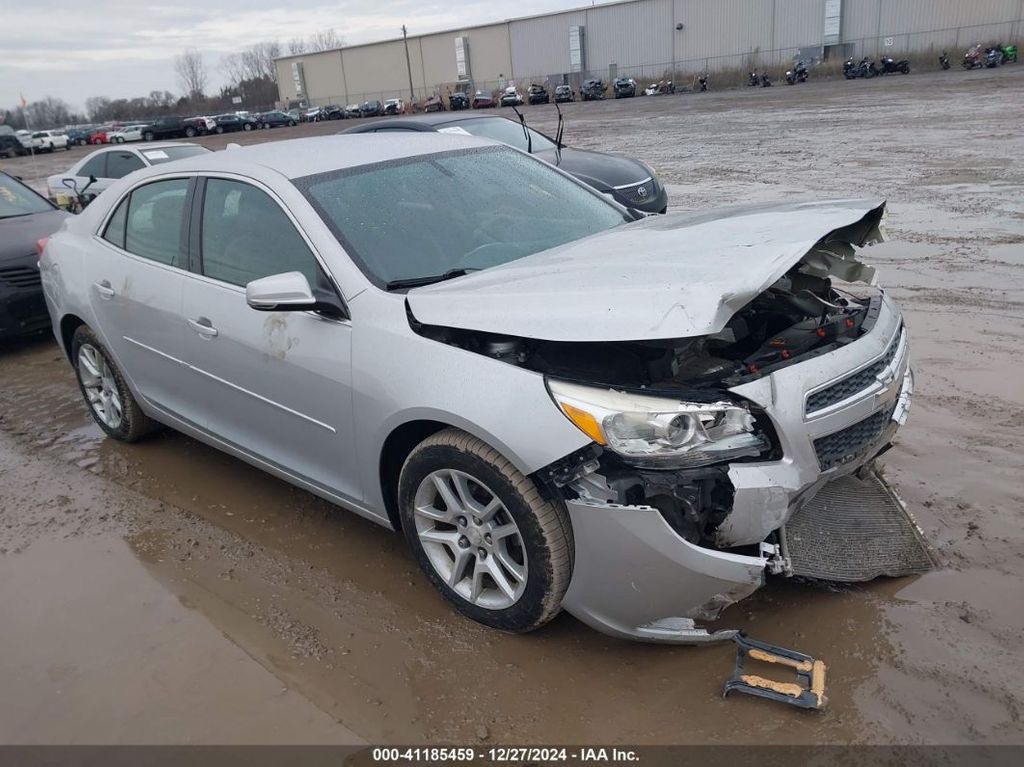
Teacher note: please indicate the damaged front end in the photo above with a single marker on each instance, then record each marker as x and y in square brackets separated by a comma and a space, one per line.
[706, 446]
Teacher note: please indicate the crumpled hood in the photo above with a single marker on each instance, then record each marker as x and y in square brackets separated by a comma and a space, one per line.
[599, 170]
[673, 276]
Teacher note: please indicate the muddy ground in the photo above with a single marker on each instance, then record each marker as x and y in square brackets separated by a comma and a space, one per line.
[164, 592]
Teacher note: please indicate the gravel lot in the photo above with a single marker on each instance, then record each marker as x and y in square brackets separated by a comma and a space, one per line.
[165, 592]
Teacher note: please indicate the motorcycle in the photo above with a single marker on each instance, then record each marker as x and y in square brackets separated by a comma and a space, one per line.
[944, 60]
[891, 66]
[765, 81]
[993, 57]
[865, 69]
[753, 80]
[798, 74]
[661, 88]
[973, 58]
[1009, 53]
[703, 81]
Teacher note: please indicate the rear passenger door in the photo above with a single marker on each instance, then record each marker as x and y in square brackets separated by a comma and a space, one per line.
[136, 272]
[275, 384]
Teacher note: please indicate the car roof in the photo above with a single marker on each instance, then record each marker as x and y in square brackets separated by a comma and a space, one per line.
[296, 158]
[428, 121]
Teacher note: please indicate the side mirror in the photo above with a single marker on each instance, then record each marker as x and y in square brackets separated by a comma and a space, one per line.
[285, 292]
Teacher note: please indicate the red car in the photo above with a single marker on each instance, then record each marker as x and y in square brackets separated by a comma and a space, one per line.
[482, 100]
[99, 135]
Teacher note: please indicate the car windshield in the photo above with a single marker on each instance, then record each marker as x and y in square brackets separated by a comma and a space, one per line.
[441, 214]
[16, 199]
[171, 153]
[500, 129]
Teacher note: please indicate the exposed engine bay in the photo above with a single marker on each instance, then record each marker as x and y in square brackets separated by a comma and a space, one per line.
[812, 309]
[801, 314]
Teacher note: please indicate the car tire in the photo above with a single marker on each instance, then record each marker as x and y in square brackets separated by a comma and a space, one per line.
[104, 390]
[190, 132]
[219, 129]
[292, 123]
[531, 551]
[246, 126]
[147, 136]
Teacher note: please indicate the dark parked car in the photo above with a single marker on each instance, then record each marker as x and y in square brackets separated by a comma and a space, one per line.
[161, 128]
[592, 90]
[625, 87]
[371, 109]
[276, 119]
[76, 136]
[10, 144]
[331, 112]
[458, 100]
[25, 219]
[563, 93]
[538, 94]
[483, 100]
[229, 122]
[629, 182]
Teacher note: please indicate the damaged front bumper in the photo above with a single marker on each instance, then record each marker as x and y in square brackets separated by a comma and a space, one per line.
[636, 577]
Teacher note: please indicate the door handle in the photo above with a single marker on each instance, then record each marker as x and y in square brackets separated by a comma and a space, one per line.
[103, 288]
[203, 327]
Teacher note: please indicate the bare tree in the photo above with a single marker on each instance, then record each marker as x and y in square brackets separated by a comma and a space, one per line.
[191, 70]
[296, 46]
[258, 60]
[324, 40]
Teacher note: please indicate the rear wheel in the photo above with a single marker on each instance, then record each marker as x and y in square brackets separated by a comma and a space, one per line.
[147, 136]
[190, 132]
[246, 126]
[108, 397]
[219, 129]
[483, 535]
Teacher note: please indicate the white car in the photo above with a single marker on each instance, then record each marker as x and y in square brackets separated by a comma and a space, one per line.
[126, 134]
[111, 163]
[511, 97]
[49, 141]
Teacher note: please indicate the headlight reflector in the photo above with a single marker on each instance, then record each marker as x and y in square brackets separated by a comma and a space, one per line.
[658, 431]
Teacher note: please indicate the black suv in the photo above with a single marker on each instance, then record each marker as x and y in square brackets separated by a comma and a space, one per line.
[10, 144]
[229, 122]
[538, 94]
[625, 87]
[164, 127]
[371, 109]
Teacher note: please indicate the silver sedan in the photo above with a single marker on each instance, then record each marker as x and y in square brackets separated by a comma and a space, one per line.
[559, 402]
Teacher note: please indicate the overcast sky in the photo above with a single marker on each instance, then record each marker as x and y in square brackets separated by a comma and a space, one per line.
[123, 48]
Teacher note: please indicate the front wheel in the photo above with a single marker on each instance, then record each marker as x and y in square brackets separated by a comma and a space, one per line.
[147, 136]
[482, 533]
[247, 126]
[108, 397]
[219, 129]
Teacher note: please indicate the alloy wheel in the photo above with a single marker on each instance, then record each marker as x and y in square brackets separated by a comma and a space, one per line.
[470, 539]
[99, 385]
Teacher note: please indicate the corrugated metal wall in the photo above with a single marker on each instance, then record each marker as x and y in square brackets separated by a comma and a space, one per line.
[640, 37]
[540, 46]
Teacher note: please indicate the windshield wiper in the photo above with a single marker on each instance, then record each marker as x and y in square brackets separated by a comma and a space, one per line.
[419, 282]
[526, 131]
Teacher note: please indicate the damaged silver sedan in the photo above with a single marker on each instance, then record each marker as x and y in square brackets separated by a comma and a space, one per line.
[560, 403]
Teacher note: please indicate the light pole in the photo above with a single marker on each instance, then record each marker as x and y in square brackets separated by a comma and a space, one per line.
[408, 64]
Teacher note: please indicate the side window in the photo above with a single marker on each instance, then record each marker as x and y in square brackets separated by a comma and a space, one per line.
[120, 164]
[246, 236]
[156, 213]
[114, 233]
[97, 167]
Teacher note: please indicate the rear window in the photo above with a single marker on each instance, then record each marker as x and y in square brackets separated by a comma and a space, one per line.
[171, 153]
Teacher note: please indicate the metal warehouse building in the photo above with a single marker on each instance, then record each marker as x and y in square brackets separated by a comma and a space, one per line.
[644, 39]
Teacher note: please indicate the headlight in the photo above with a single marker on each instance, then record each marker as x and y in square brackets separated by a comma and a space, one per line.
[657, 431]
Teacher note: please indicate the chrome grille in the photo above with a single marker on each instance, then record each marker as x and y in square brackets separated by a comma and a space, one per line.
[852, 442]
[20, 277]
[855, 382]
